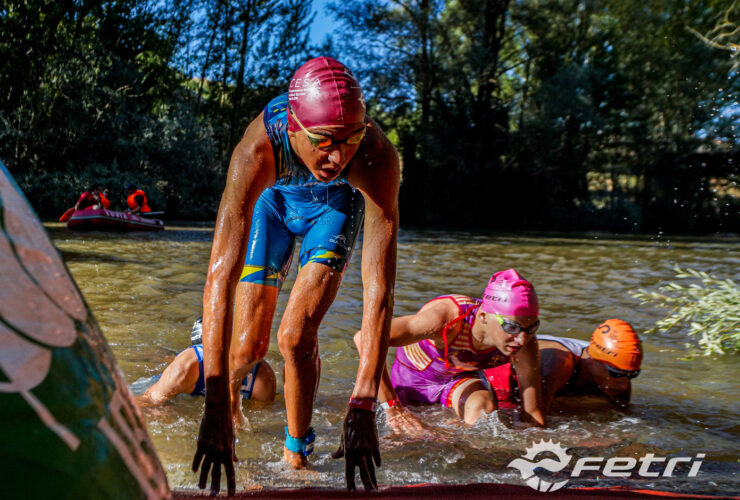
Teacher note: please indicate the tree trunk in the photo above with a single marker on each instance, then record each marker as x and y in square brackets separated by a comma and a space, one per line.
[239, 91]
[207, 61]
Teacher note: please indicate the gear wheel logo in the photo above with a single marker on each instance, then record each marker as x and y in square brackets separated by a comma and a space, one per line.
[527, 465]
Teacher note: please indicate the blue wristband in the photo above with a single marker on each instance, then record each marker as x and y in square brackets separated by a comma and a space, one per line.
[303, 445]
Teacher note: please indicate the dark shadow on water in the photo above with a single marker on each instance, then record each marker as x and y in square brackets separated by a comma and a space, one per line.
[441, 237]
[83, 256]
[175, 234]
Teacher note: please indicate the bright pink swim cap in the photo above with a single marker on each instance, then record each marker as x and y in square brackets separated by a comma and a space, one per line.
[325, 92]
[508, 293]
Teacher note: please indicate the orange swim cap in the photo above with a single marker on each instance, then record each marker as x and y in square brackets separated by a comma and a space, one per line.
[616, 343]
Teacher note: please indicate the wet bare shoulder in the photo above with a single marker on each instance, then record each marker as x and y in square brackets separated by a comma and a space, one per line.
[440, 312]
[555, 358]
[252, 165]
[376, 159]
[254, 147]
[551, 344]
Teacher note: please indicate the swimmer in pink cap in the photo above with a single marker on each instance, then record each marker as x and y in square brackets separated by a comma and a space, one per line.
[440, 348]
[311, 165]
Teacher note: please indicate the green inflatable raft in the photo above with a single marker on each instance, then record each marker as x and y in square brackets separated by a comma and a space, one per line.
[69, 427]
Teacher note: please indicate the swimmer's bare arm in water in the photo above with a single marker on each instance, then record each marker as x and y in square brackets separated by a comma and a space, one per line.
[401, 420]
[251, 171]
[180, 377]
[428, 323]
[406, 330]
[526, 362]
[376, 172]
[556, 369]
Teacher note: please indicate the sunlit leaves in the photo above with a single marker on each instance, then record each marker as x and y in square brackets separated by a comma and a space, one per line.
[709, 310]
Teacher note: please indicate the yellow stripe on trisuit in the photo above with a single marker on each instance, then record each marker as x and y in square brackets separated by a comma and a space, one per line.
[326, 255]
[248, 270]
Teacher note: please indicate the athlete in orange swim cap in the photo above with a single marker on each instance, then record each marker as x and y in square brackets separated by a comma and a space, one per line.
[604, 366]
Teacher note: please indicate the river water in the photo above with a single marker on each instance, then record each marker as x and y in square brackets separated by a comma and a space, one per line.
[145, 290]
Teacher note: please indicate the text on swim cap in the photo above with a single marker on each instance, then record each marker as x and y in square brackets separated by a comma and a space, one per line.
[605, 350]
[304, 82]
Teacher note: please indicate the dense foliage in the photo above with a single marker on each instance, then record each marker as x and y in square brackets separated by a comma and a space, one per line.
[612, 114]
[710, 311]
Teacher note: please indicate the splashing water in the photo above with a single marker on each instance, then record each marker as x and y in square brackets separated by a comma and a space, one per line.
[146, 289]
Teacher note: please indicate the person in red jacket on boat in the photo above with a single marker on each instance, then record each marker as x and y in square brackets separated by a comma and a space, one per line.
[89, 200]
[105, 199]
[136, 200]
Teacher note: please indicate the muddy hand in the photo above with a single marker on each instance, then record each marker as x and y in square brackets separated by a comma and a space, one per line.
[359, 447]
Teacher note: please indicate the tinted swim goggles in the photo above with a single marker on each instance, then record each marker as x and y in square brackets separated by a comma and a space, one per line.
[617, 373]
[324, 141]
[513, 328]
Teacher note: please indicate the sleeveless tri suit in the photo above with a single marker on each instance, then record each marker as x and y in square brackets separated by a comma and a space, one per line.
[424, 373]
[327, 215]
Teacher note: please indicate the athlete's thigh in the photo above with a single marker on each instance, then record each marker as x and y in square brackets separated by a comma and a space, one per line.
[270, 243]
[332, 235]
[457, 391]
[313, 292]
[254, 307]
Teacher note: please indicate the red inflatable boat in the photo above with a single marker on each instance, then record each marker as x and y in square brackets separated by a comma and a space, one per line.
[108, 220]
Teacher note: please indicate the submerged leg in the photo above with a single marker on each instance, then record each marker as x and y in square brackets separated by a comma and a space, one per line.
[471, 400]
[254, 307]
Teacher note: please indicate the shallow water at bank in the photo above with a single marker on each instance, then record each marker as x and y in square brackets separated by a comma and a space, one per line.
[145, 291]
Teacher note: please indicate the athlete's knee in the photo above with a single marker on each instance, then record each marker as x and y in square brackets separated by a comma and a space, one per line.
[477, 404]
[481, 401]
[297, 345]
[245, 355]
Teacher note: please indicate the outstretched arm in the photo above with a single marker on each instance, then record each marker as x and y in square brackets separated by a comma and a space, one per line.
[251, 171]
[527, 365]
[377, 174]
[406, 330]
[401, 420]
[179, 377]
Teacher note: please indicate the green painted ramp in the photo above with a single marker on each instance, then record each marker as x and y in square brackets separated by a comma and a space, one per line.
[68, 425]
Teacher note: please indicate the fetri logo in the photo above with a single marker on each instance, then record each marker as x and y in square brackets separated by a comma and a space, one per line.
[526, 467]
[612, 467]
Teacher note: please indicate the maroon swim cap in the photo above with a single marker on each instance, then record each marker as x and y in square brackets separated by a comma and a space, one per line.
[325, 92]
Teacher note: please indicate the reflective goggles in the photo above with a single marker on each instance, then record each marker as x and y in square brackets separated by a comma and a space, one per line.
[324, 141]
[617, 373]
[513, 328]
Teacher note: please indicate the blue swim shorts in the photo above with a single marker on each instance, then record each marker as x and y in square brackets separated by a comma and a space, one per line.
[328, 216]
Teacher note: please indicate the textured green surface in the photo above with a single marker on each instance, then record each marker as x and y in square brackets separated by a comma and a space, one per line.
[107, 452]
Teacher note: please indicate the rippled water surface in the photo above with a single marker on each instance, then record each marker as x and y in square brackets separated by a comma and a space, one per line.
[145, 290]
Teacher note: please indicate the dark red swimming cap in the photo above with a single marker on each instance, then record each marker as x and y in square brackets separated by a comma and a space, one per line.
[325, 92]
